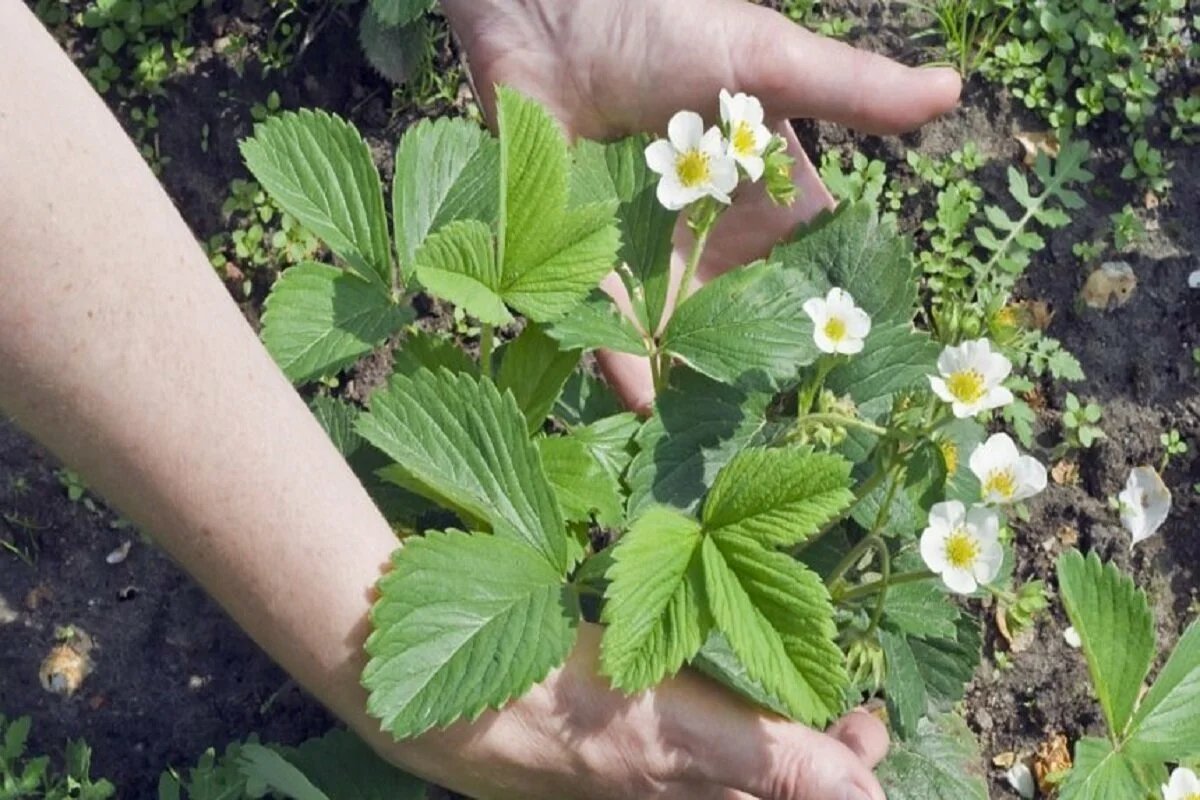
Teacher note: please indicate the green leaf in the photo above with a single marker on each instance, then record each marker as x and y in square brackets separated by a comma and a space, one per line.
[655, 610]
[400, 12]
[464, 622]
[446, 170]
[895, 358]
[534, 369]
[1114, 621]
[941, 763]
[646, 227]
[597, 323]
[583, 486]
[746, 326]
[458, 263]
[961, 438]
[345, 768]
[397, 52]
[920, 609]
[319, 170]
[320, 318]
[697, 428]
[904, 685]
[458, 441]
[590, 181]
[1166, 726]
[1100, 773]
[422, 350]
[586, 399]
[551, 256]
[778, 497]
[273, 771]
[717, 660]
[337, 418]
[778, 618]
[948, 664]
[610, 441]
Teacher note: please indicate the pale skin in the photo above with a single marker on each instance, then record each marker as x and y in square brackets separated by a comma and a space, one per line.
[121, 352]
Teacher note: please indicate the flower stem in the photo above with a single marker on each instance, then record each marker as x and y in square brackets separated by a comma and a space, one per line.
[840, 420]
[804, 401]
[487, 341]
[702, 228]
[851, 558]
[874, 587]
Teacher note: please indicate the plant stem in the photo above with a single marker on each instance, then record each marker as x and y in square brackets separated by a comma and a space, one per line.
[702, 231]
[864, 489]
[487, 340]
[868, 589]
[885, 570]
[804, 400]
[853, 556]
[840, 420]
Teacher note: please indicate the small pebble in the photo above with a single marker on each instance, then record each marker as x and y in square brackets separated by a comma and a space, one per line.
[120, 554]
[984, 720]
[7, 614]
[1020, 778]
[1072, 637]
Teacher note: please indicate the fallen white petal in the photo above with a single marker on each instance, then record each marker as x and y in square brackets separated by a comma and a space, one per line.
[1072, 637]
[1020, 778]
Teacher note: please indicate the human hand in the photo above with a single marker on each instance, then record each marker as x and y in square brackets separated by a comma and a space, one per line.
[572, 736]
[609, 68]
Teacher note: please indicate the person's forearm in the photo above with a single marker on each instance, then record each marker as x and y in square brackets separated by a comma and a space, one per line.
[121, 351]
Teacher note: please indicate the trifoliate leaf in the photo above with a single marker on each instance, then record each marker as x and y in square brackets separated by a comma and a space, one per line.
[717, 660]
[446, 170]
[400, 53]
[646, 228]
[345, 768]
[904, 685]
[421, 350]
[275, 772]
[459, 442]
[941, 762]
[597, 323]
[610, 441]
[778, 618]
[317, 167]
[1100, 773]
[320, 318]
[656, 611]
[1167, 725]
[695, 431]
[534, 369]
[399, 12]
[458, 263]
[1113, 619]
[778, 497]
[551, 256]
[464, 622]
[746, 326]
[583, 486]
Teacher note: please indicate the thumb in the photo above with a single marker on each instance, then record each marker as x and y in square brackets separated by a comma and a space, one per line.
[797, 73]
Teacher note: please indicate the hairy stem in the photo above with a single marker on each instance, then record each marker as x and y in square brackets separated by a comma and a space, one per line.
[874, 587]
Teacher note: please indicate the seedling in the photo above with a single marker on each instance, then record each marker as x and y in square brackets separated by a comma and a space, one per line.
[1173, 445]
[1081, 428]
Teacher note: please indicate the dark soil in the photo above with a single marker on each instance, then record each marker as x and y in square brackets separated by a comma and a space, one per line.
[174, 676]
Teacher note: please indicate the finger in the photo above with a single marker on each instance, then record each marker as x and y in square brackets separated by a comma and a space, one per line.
[797, 73]
[863, 733]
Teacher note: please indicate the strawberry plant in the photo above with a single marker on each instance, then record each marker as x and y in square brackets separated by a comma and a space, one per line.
[813, 481]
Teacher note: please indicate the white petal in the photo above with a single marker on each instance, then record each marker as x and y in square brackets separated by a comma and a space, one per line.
[685, 130]
[984, 522]
[987, 564]
[839, 300]
[724, 174]
[947, 515]
[816, 310]
[1146, 503]
[713, 143]
[933, 548]
[964, 410]
[858, 323]
[996, 454]
[1183, 783]
[726, 106]
[754, 166]
[850, 346]
[660, 157]
[996, 368]
[1072, 638]
[762, 136]
[1031, 477]
[1020, 778]
[674, 195]
[752, 110]
[960, 581]
[952, 359]
[997, 397]
[938, 385]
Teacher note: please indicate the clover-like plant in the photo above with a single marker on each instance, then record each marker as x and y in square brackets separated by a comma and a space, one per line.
[812, 464]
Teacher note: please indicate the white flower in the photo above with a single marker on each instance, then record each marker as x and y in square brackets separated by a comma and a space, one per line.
[1072, 638]
[839, 326]
[748, 137]
[1145, 503]
[692, 162]
[962, 546]
[1020, 778]
[1184, 785]
[970, 378]
[1005, 475]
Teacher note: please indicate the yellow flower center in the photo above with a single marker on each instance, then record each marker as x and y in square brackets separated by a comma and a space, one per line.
[967, 386]
[961, 549]
[1001, 482]
[692, 168]
[949, 455]
[835, 329]
[743, 139]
